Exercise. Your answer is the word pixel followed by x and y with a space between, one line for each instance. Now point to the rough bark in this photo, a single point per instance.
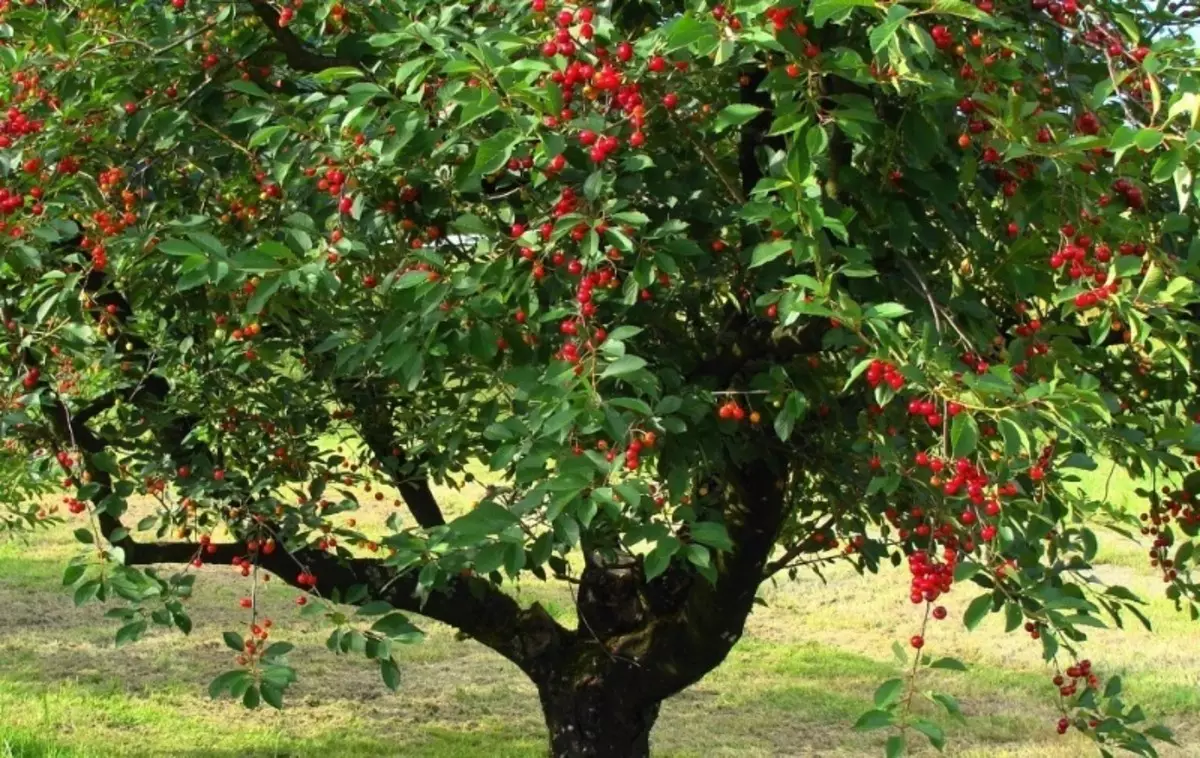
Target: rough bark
pixel 596 717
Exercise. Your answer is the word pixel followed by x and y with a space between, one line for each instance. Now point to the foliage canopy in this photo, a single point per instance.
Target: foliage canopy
pixel 715 292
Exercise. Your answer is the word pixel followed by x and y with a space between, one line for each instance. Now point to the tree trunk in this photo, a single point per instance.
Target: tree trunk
pixel 598 717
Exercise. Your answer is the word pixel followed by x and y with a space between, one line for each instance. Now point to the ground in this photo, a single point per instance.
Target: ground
pixel 793 686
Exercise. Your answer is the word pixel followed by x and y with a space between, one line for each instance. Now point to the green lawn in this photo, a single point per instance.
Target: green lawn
pixel 806 668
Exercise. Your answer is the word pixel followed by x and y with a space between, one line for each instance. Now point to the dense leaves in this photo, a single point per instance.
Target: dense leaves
pixel 715 291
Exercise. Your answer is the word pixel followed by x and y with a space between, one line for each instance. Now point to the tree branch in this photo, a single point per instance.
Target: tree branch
pixel 470 605
pixel 297 54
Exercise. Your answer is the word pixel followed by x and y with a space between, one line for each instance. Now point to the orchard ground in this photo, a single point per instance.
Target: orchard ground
pixel 807 667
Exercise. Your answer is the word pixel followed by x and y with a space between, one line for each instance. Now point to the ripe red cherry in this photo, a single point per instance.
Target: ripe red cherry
pixel 219 475
pixel 624 52
pixel 184 472
pixel 346 204
pixel 246 602
pixel 658 64
pixel 131 108
pixel 637 139
pixel 670 101
pixel 178 4
pixel 917 641
pixel 939 613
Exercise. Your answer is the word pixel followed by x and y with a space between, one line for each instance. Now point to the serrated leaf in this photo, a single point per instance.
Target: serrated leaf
pixel 234 641
pixel 712 534
pixel 975 612
pixel 390 673
pixel 623 366
pixel 964 434
pixel 888 692
pixel 936 736
pixel 768 251
pixel 873 719
pixel 735 115
pixel 950 664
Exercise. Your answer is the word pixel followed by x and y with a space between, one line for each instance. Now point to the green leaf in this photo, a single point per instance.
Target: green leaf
pixel 395 625
pixel 1148 139
pixel 658 559
pixel 950 664
pixel 234 641
pixel 390 673
pixel 495 151
pixel 278 650
pixel 252 697
pixel 227 681
pixel 888 692
pixel 712 534
pixel 735 115
pixel 823 10
pixel 978 608
pixel 490 557
pixel 265 134
pixel 886 310
pixel 272 695
pixel 338 73
pixel 960 9
pixel 936 736
pixel 768 251
pixel 873 719
pixel 486 519
pixel 623 366
pixel 894 748
pixel 247 88
pixel 130 632
pixel 794 409
pixel 964 434
pixel 881 35
pixel 178 247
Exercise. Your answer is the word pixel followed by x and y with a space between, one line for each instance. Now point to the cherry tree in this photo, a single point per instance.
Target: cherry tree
pixel 717 294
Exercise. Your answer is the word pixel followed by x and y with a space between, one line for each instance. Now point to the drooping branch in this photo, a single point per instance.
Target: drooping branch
pixel 474 607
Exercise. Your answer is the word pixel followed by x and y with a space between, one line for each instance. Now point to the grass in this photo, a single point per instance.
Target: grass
pixel 793 686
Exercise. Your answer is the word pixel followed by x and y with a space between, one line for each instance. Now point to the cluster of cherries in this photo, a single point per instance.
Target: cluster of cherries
pixel 942 37
pixel 254 644
pixel 1079 673
pixel 17 125
pixel 926 408
pixel 1179 507
pixel 731 410
pixel 931 579
pixel 780 19
pixel 880 371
